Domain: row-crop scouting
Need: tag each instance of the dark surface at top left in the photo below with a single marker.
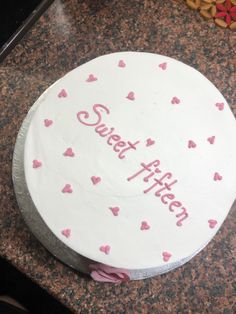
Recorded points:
(16, 17)
(12, 14)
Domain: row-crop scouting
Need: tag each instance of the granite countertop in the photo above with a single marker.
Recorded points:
(70, 33)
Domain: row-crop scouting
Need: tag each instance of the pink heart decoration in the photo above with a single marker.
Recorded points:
(48, 122)
(95, 180)
(211, 139)
(91, 78)
(220, 105)
(130, 96)
(212, 223)
(217, 177)
(66, 233)
(121, 64)
(114, 210)
(67, 189)
(62, 93)
(144, 225)
(166, 256)
(191, 144)
(105, 249)
(150, 142)
(37, 163)
(175, 101)
(69, 152)
(163, 66)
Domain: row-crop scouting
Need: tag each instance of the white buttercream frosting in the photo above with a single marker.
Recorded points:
(157, 109)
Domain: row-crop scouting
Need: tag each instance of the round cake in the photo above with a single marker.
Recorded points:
(129, 159)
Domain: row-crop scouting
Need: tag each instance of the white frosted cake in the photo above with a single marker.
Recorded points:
(130, 160)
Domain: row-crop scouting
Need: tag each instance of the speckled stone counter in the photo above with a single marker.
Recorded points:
(70, 33)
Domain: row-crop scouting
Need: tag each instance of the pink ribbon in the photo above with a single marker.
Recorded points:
(105, 273)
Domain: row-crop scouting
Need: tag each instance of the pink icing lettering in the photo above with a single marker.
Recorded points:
(167, 175)
(86, 115)
(157, 170)
(152, 186)
(174, 204)
(153, 168)
(131, 146)
(146, 179)
(158, 181)
(103, 131)
(154, 163)
(113, 137)
(185, 216)
(119, 144)
(100, 129)
(166, 187)
(169, 196)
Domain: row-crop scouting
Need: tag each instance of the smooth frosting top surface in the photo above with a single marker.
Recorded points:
(129, 159)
